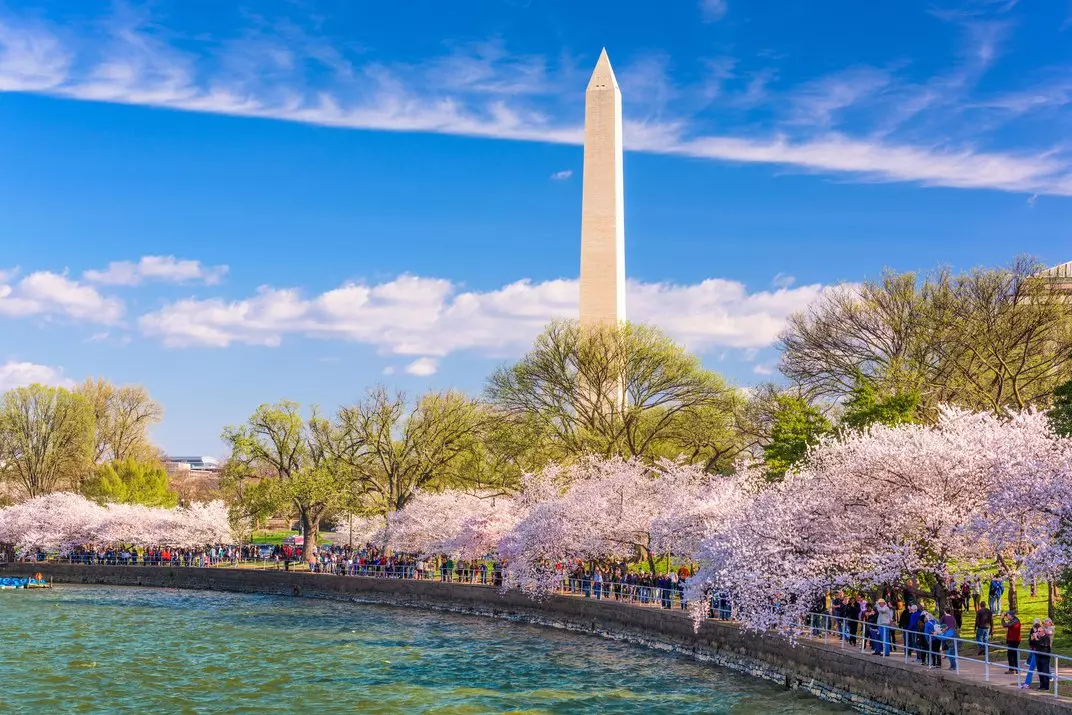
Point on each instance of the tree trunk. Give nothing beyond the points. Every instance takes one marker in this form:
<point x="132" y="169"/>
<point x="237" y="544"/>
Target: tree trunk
<point x="941" y="594"/>
<point x="1014" y="600"/>
<point x="310" y="530"/>
<point x="1051" y="599"/>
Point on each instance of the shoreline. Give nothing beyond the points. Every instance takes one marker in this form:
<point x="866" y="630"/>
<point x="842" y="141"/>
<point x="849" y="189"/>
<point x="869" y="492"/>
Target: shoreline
<point x="830" y="673"/>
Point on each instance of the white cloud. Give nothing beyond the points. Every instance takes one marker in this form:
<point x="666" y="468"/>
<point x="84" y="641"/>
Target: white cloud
<point x="165" y="269"/>
<point x="389" y="370"/>
<point x="713" y="10"/>
<point x="32" y="59"/>
<point x="20" y="374"/>
<point x="562" y="175"/>
<point x="783" y="280"/>
<point x="764" y="370"/>
<point x="45" y="293"/>
<point x="423" y="367"/>
<point x="431" y="317"/>
<point x="480" y="91"/>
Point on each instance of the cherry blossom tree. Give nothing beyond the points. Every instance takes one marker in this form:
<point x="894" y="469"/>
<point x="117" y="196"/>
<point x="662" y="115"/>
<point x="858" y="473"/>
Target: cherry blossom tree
<point x="1029" y="510"/>
<point x="63" y="521"/>
<point x="909" y="505"/>
<point x="481" y="534"/>
<point x="431" y="520"/>
<point x="609" y="509"/>
<point x="56" y="521"/>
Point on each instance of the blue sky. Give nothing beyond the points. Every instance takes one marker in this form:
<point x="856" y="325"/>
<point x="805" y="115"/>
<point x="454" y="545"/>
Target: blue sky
<point x="236" y="203"/>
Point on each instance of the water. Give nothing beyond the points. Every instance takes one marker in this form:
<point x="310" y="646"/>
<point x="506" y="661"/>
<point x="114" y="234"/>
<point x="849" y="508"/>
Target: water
<point x="158" y="651"/>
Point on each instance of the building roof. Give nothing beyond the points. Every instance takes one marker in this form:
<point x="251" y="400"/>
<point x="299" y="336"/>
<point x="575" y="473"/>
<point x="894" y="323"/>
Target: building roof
<point x="1062" y="271"/>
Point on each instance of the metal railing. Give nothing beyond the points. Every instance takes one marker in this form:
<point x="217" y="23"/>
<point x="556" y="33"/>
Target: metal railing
<point x="929" y="649"/>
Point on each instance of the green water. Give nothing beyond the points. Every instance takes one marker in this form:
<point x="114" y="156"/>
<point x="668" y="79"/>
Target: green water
<point x="157" y="651"/>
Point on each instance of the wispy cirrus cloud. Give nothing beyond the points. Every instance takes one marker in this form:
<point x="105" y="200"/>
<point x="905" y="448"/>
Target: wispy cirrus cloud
<point x="163" y="269"/>
<point x="713" y="10"/>
<point x="483" y="91"/>
<point x="431" y="317"/>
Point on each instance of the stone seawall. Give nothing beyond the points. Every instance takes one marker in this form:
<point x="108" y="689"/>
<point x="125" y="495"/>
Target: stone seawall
<point x="872" y="686"/>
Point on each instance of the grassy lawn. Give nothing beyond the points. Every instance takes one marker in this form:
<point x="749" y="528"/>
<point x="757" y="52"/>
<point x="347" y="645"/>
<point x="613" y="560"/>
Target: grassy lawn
<point x="274" y="538"/>
<point x="1029" y="608"/>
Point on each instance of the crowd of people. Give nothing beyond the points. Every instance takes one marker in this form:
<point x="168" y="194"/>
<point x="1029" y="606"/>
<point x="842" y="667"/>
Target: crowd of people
<point x="156" y="556"/>
<point x="896" y="618"/>
<point x="900" y="619"/>
<point x="370" y="560"/>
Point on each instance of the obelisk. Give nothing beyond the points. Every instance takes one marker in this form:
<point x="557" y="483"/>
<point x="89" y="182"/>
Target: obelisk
<point x="602" y="203"/>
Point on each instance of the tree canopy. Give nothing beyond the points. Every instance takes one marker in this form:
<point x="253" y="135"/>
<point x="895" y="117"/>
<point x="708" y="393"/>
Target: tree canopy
<point x="281" y="461"/>
<point x="129" y="481"/>
<point x="46" y="439"/>
<point x="122" y="417"/>
<point x="625" y="391"/>
<point x="796" y="428"/>
<point x="392" y="449"/>
<point x="990" y="339"/>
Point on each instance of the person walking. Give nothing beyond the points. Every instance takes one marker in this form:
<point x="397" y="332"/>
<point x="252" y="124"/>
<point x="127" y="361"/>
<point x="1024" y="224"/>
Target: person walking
<point x="1032" y="657"/>
<point x="984" y="623"/>
<point x="1012" y="640"/>
<point x="997" y="588"/>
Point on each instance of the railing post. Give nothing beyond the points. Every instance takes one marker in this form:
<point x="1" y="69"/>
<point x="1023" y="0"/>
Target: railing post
<point x="1056" y="676"/>
<point x="986" y="664"/>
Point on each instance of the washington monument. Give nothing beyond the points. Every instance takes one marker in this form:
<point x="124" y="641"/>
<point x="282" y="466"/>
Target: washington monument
<point x="602" y="205"/>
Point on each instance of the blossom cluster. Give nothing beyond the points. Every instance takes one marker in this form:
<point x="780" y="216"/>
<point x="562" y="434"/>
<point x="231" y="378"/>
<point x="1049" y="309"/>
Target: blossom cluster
<point x="597" y="509"/>
<point x="908" y="505"/>
<point x="63" y="521"/>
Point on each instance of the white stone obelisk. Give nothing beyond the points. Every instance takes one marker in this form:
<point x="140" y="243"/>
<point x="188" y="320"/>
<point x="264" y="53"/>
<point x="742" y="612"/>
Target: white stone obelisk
<point x="602" y="206"/>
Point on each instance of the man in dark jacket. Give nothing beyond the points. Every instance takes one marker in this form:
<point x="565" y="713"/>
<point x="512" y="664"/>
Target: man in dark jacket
<point x="1043" y="646"/>
<point x="984" y="623"/>
<point x="1012" y="640"/>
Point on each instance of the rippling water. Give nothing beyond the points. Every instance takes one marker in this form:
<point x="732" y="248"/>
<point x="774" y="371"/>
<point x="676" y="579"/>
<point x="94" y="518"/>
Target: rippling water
<point x="158" y="651"/>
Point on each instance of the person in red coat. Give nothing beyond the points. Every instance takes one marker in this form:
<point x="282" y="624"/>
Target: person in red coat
<point x="1012" y="640"/>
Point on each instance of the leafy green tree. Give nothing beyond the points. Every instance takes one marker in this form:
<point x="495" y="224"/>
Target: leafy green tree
<point x="796" y="427"/>
<point x="130" y="482"/>
<point x="46" y="439"/>
<point x="123" y="416"/>
<point x="282" y="462"/>
<point x="392" y="450"/>
<point x="990" y="339"/>
<point x="614" y="391"/>
<point x="866" y="407"/>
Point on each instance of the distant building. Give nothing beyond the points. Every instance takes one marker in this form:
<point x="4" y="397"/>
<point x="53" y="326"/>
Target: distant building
<point x="193" y="478"/>
<point x="192" y="464"/>
<point x="1060" y="276"/>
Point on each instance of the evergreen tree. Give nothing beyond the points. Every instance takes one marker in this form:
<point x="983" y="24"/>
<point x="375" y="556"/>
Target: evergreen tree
<point x="1061" y="412"/>
<point x="866" y="407"/>
<point x="797" y="426"/>
<point x="129" y="481"/>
